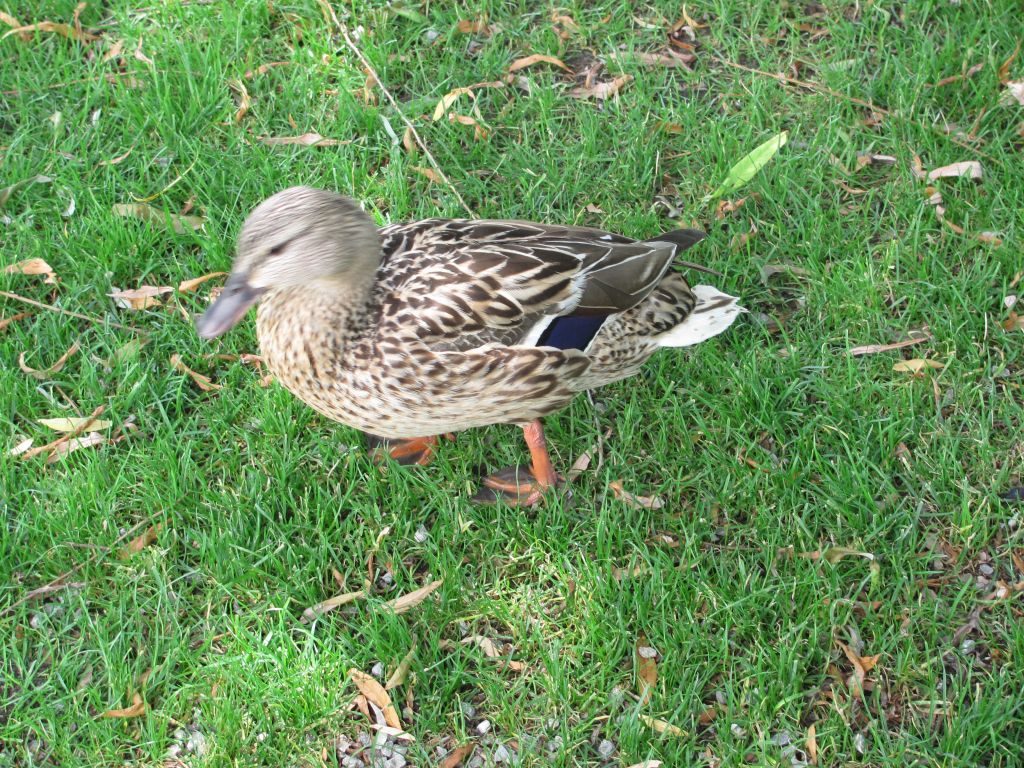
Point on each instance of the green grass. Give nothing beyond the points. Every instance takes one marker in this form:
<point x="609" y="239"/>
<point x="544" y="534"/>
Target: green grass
<point x="765" y="439"/>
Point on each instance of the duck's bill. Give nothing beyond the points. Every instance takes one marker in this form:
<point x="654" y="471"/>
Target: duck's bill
<point x="232" y="304"/>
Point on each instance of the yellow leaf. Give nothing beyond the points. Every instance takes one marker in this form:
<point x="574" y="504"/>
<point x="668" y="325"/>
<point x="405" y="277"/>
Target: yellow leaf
<point x="662" y="726"/>
<point x="537" y="58"/>
<point x="137" y="709"/>
<point x="74" y="424"/>
<point x="917" y="365"/>
<point x="411" y="600"/>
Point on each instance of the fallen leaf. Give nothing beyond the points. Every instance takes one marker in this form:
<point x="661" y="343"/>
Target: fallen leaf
<point x="962" y="76"/>
<point x="331" y="603"/>
<point x="874" y="349"/>
<point x="662" y="726"/>
<point x="812" y="744"/>
<point x="479" y="132"/>
<point x="861" y="666"/>
<point x="646" y="502"/>
<point x="833" y="555"/>
<point x="262" y="69"/>
<point x="646" y="668"/>
<point x="970" y="168"/>
<point x="430" y="173"/>
<point x="75" y="424"/>
<point x="412" y="599"/>
<point x="492" y="651"/>
<point x="64" y="30"/>
<point x="866" y="159"/>
<point x="32" y="267"/>
<point x="10" y="21"/>
<point x="667" y="57"/>
<point x="458" y="755"/>
<point x="21" y="447"/>
<point x="7" y="192"/>
<point x="203" y="382"/>
<point x="118" y="159"/>
<point x="140" y="56"/>
<point x="1016" y="91"/>
<point x="147" y="213"/>
<point x="190" y="285"/>
<point x="244" y="99"/>
<point x="474" y="27"/>
<point x="1014" y="322"/>
<point x="1004" y="68"/>
<point x="44" y="373"/>
<point x="140" y="542"/>
<point x="143" y="297"/>
<point x="408" y="140"/>
<point x="375" y="693"/>
<point x="60" y="450"/>
<point x="917" y="365"/>
<point x="402" y="670"/>
<point x="113" y="51"/>
<point x="601" y="91"/>
<point x="137" y="709"/>
<point x="311" y="139"/>
<point x="748" y="166"/>
<point x="647" y="764"/>
<point x="4" y="322"/>
<point x="992" y="238"/>
<point x="537" y="58"/>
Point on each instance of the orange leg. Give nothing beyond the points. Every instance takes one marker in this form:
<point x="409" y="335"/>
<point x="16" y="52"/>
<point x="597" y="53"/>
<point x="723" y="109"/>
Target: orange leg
<point x="522" y="486"/>
<point x="414" y="450"/>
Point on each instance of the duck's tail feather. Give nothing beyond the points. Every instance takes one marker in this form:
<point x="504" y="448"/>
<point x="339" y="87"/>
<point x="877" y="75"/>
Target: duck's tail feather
<point x="713" y="313"/>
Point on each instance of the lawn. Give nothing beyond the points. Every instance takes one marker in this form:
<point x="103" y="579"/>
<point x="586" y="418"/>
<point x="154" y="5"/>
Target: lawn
<point x="826" y="562"/>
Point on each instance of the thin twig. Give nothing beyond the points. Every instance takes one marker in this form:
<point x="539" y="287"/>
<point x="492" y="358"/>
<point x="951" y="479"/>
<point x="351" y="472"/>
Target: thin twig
<point x="41" y="305"/>
<point x="331" y="16"/>
<point x="845" y="97"/>
<point x="64" y="576"/>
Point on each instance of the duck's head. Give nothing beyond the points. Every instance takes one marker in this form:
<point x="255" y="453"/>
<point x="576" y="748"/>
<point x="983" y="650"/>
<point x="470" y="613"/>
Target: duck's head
<point x="291" y="239"/>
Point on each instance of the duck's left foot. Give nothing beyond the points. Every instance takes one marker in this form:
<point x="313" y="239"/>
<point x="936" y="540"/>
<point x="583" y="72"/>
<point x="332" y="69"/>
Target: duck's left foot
<point x="412" y="451"/>
<point x="515" y="486"/>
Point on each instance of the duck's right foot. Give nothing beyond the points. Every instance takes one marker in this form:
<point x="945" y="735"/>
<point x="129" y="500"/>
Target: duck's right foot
<point x="411" y="451"/>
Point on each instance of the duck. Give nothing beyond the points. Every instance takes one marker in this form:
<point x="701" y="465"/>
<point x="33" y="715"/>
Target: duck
<point x="416" y="330"/>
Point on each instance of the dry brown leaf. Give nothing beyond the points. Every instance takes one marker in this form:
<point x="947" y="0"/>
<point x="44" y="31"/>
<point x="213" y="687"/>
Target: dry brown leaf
<point x="4" y="322"/>
<point x="971" y="72"/>
<point x="244" y="99"/>
<point x="1014" y="322"/>
<point x="10" y="21"/>
<point x="147" y="213"/>
<point x="140" y="542"/>
<point x="969" y="168"/>
<point x="667" y="57"/>
<point x="137" y="709"/>
<point x="861" y="666"/>
<point x="491" y="651"/>
<point x="375" y="693"/>
<point x="143" y="297"/>
<point x="474" y="27"/>
<point x="203" y="382"/>
<point x="647" y="764"/>
<point x="43" y="373"/>
<point x="479" y="132"/>
<point x="871" y="159"/>
<point x="662" y="726"/>
<point x="536" y="58"/>
<point x="402" y="670"/>
<point x="430" y="173"/>
<point x="647" y="502"/>
<point x="917" y="365"/>
<point x="458" y="755"/>
<point x="32" y="267"/>
<point x="21" y="447"/>
<point x="190" y="285"/>
<point x="75" y="424"/>
<point x="812" y="744"/>
<point x="601" y="91"/>
<point x="874" y="349"/>
<point x="408" y="141"/>
<point x="311" y="139"/>
<point x="262" y="69"/>
<point x="1004" y="68"/>
<point x="646" y="668"/>
<point x="414" y="598"/>
<point x="331" y="603"/>
<point x="992" y="238"/>
<point x="140" y="56"/>
<point x="62" y="449"/>
<point x="64" y="30"/>
<point x="113" y="51"/>
<point x="619" y="573"/>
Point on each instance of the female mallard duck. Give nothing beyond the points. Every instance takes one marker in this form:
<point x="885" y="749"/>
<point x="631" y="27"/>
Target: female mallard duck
<point x="437" y="326"/>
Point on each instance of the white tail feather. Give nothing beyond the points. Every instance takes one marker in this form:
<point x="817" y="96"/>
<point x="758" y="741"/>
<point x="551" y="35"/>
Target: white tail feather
<point x="715" y="311"/>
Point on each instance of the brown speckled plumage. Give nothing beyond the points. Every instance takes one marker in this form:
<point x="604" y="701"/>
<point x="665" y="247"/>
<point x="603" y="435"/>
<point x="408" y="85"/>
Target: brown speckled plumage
<point x="437" y="326"/>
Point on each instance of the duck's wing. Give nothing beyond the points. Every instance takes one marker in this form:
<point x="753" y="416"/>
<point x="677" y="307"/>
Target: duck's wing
<point x="462" y="278"/>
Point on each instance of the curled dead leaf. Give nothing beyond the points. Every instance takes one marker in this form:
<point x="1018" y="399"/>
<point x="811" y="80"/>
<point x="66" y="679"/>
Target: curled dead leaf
<point x="601" y="91"/>
<point x="662" y="726"/>
<point x="62" y="449"/>
<point x="491" y="651"/>
<point x="374" y="692"/>
<point x="6" y="321"/>
<point x="537" y="58"/>
<point x="331" y="603"/>
<point x="141" y="541"/>
<point x="917" y="365"/>
<point x="412" y="599"/>
<point x="311" y="139"/>
<point x="190" y="285"/>
<point x="646" y="502"/>
<point x="140" y="56"/>
<point x="203" y="382"/>
<point x="143" y="297"/>
<point x="646" y="665"/>
<point x="458" y="755"/>
<point x="474" y="27"/>
<point x="244" y="99"/>
<point x="430" y="173"/>
<point x="137" y="709"/>
<point x="147" y="213"/>
<point x="873" y="349"/>
<point x="666" y="57"/>
<point x="113" y="51"/>
<point x="44" y="373"/>
<point x="969" y="168"/>
<point x="64" y="30"/>
<point x="32" y="267"/>
<point x="75" y="424"/>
